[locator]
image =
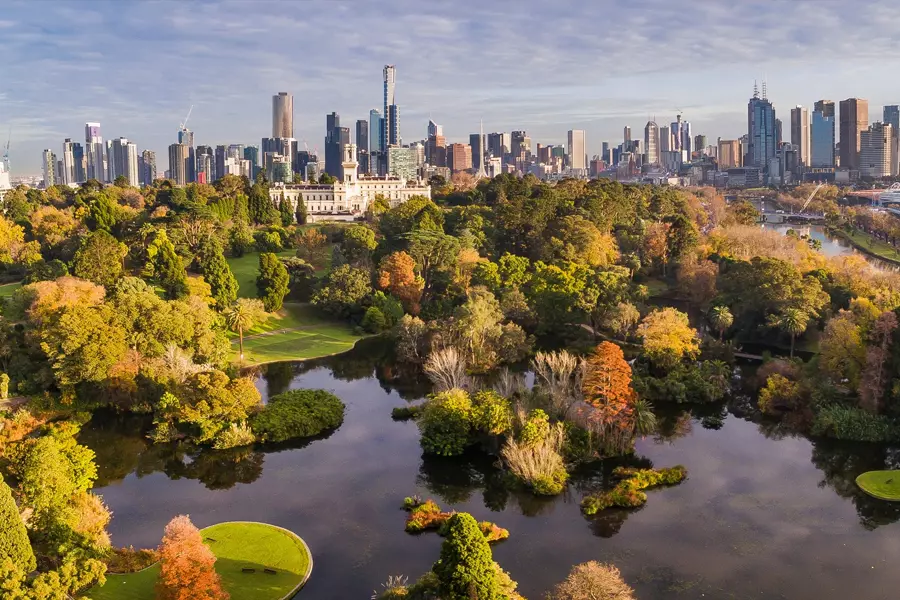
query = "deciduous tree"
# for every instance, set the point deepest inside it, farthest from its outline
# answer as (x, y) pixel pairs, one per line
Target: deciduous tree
(668, 337)
(593, 581)
(344, 292)
(100, 258)
(396, 275)
(187, 566)
(607, 381)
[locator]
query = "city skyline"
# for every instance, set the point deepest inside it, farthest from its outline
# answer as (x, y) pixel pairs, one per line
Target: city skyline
(545, 94)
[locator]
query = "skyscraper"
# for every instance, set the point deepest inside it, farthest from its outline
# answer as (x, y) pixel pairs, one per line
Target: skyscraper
(875, 156)
(760, 131)
(675, 132)
(800, 134)
(687, 139)
(651, 142)
(731, 154)
(78, 155)
(626, 134)
(68, 160)
(282, 115)
(336, 137)
(221, 154)
(854, 119)
(186, 138)
(822, 137)
(826, 107)
(391, 111)
(179, 160)
(123, 161)
(459, 157)
(147, 167)
(96, 158)
(478, 143)
(498, 144)
(206, 164)
(892, 118)
(434, 129)
(665, 142)
(576, 151)
(700, 144)
(48, 166)
(377, 158)
(362, 145)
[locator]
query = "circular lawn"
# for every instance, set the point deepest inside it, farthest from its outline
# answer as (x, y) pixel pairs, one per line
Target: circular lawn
(255, 561)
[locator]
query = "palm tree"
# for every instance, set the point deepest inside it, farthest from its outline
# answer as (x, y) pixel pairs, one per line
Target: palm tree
(721, 319)
(243, 315)
(644, 418)
(792, 321)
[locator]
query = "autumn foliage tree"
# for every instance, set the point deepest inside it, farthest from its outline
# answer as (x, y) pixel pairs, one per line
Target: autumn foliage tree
(187, 566)
(397, 276)
(607, 381)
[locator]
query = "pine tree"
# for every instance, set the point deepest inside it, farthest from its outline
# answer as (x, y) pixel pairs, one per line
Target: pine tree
(187, 566)
(301, 211)
(217, 273)
(465, 569)
(287, 215)
(259, 203)
(272, 282)
(14, 543)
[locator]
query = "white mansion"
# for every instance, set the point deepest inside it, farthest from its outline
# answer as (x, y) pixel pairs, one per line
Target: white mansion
(348, 199)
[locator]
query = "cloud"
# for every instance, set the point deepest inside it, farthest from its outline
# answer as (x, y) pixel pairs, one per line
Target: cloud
(544, 67)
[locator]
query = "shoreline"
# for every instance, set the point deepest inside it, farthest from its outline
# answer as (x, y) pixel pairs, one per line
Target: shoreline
(840, 233)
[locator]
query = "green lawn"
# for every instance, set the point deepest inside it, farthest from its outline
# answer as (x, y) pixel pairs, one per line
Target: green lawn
(881, 484)
(245, 270)
(236, 546)
(7, 289)
(867, 243)
(296, 332)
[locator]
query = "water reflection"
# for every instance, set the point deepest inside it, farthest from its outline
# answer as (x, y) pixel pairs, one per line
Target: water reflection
(762, 514)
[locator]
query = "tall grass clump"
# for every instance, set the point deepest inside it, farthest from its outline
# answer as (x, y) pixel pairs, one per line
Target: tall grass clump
(539, 464)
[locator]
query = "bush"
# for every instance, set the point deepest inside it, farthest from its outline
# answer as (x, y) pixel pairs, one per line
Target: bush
(491, 413)
(235, 436)
(779, 394)
(424, 516)
(297, 414)
(129, 560)
(539, 465)
(706, 381)
(465, 568)
(374, 320)
(627, 493)
(850, 423)
(536, 428)
(14, 544)
(446, 423)
(593, 581)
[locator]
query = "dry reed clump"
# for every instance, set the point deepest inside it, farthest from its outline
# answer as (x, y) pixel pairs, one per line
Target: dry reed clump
(539, 465)
(559, 376)
(446, 369)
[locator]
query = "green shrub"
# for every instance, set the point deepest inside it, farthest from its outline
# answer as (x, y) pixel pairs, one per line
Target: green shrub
(627, 493)
(465, 568)
(298, 414)
(14, 544)
(491, 413)
(446, 423)
(536, 428)
(850, 423)
(374, 320)
(706, 381)
(235, 436)
(544, 485)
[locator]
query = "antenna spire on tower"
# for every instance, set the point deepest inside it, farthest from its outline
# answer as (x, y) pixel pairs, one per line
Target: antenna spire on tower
(755, 89)
(764, 90)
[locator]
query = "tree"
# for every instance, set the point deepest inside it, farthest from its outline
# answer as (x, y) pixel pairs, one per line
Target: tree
(100, 258)
(47, 480)
(243, 315)
(579, 240)
(465, 569)
(875, 377)
(273, 281)
(187, 567)
(842, 353)
(311, 246)
(655, 250)
(697, 280)
(240, 239)
(14, 544)
(359, 242)
(83, 343)
(287, 214)
(301, 211)
(434, 253)
(721, 319)
(622, 319)
(217, 273)
(259, 203)
(396, 274)
(792, 321)
(478, 329)
(668, 337)
(593, 581)
(607, 381)
(741, 213)
(344, 292)
(13, 247)
(416, 214)
(681, 238)
(164, 265)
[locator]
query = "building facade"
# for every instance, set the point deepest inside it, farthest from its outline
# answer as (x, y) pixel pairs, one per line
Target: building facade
(48, 168)
(282, 115)
(760, 132)
(459, 157)
(350, 197)
(800, 134)
(147, 167)
(577, 153)
(391, 116)
(179, 160)
(478, 141)
(854, 119)
(822, 138)
(94, 152)
(875, 153)
(731, 154)
(651, 142)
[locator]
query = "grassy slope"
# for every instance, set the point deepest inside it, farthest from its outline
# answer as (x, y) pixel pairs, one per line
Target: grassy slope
(869, 244)
(881, 484)
(7, 289)
(296, 332)
(236, 546)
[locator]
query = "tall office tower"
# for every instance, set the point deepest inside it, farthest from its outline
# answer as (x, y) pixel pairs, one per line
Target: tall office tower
(391, 135)
(800, 134)
(700, 143)
(626, 134)
(576, 151)
(132, 175)
(377, 159)
(68, 160)
(651, 142)
(499, 144)
(186, 138)
(687, 140)
(478, 143)
(779, 133)
(665, 142)
(675, 132)
(854, 119)
(206, 164)
(123, 161)
(822, 138)
(875, 156)
(78, 156)
(604, 152)
(826, 107)
(251, 153)
(459, 157)
(282, 115)
(179, 159)
(731, 154)
(362, 145)
(520, 144)
(436, 151)
(93, 148)
(221, 155)
(434, 129)
(335, 139)
(48, 166)
(110, 164)
(760, 130)
(147, 167)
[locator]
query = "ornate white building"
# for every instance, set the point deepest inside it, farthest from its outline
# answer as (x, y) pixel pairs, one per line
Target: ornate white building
(348, 199)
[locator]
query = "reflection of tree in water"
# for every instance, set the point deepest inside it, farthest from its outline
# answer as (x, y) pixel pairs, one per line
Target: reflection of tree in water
(842, 462)
(597, 476)
(118, 443)
(278, 377)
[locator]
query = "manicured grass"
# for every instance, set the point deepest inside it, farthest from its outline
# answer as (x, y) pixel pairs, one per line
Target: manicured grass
(867, 243)
(7, 289)
(245, 270)
(296, 332)
(881, 484)
(236, 546)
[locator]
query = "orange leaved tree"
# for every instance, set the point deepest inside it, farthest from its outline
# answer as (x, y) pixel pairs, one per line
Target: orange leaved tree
(607, 387)
(187, 566)
(397, 276)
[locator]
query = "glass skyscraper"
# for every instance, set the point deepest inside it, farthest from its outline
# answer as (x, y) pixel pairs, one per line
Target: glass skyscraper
(822, 140)
(760, 131)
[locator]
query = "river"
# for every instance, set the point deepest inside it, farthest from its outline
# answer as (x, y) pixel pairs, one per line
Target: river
(762, 515)
(831, 246)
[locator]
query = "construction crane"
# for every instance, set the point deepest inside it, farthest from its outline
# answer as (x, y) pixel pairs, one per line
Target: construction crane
(183, 125)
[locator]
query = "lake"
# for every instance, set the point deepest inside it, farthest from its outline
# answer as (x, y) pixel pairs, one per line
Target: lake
(762, 515)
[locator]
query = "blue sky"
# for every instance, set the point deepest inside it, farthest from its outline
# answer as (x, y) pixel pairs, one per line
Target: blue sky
(546, 67)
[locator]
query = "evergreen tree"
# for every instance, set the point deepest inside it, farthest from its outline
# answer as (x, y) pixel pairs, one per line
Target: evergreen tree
(259, 203)
(465, 569)
(217, 273)
(14, 543)
(287, 215)
(272, 282)
(100, 258)
(301, 211)
(164, 265)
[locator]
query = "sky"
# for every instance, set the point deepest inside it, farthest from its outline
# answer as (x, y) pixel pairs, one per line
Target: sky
(539, 66)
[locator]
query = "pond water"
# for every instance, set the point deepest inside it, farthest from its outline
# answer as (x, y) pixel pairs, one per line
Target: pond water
(762, 515)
